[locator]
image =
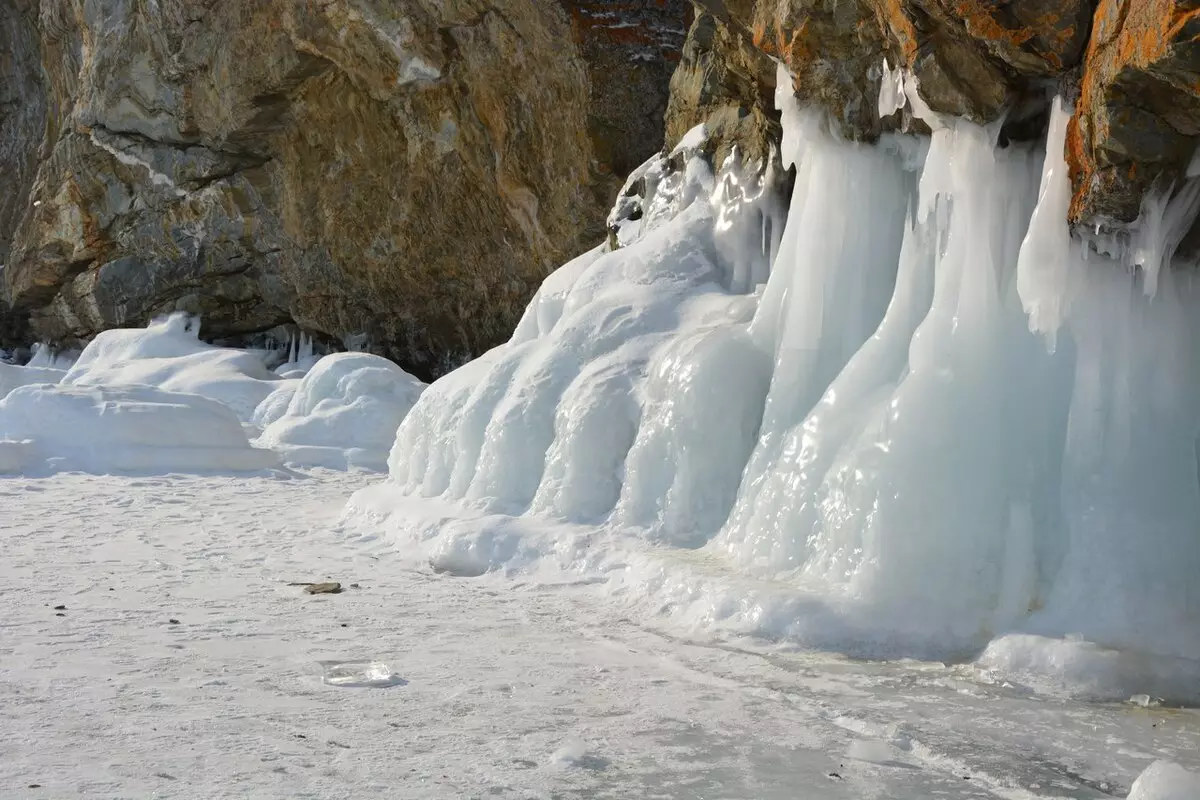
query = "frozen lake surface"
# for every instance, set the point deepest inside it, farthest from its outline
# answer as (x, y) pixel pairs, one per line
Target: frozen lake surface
(184, 665)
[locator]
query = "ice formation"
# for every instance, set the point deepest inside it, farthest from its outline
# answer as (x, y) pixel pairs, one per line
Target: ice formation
(930, 414)
(168, 354)
(301, 356)
(343, 413)
(1164, 780)
(13, 376)
(44, 366)
(339, 411)
(121, 429)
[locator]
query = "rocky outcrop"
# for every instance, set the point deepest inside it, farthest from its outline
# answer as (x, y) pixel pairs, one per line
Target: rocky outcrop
(1138, 115)
(22, 114)
(727, 83)
(398, 176)
(973, 58)
(1131, 66)
(401, 176)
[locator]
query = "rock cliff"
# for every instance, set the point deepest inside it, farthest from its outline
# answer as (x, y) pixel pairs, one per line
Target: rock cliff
(398, 176)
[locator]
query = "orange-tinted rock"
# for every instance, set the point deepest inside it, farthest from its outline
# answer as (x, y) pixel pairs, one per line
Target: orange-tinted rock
(979, 59)
(727, 83)
(1138, 113)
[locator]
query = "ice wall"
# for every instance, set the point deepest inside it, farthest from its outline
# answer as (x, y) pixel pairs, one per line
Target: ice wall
(923, 404)
(585, 414)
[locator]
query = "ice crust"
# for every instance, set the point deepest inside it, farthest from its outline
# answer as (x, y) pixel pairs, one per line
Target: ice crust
(924, 419)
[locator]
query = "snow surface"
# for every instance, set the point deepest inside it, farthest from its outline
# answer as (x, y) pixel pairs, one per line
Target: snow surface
(344, 413)
(848, 435)
(185, 666)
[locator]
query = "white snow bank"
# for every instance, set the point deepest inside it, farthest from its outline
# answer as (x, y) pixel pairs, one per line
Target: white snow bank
(16, 456)
(1165, 780)
(275, 405)
(1089, 670)
(121, 429)
(168, 354)
(344, 412)
(873, 450)
(13, 376)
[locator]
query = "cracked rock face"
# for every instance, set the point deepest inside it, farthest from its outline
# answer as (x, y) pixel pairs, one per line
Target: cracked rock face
(396, 175)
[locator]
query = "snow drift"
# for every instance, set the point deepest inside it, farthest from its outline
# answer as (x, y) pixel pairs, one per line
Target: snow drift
(13, 376)
(169, 355)
(927, 433)
(121, 429)
(343, 413)
(44, 366)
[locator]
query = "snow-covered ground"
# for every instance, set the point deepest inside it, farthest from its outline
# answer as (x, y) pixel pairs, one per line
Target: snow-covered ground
(513, 687)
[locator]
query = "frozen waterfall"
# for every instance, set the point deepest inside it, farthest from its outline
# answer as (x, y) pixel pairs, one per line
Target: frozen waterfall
(921, 406)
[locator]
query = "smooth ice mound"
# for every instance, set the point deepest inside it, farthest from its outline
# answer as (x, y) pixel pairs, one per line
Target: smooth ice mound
(1164, 780)
(919, 418)
(121, 429)
(169, 355)
(343, 414)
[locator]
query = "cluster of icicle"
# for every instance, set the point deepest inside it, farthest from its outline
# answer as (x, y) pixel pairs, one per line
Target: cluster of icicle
(926, 402)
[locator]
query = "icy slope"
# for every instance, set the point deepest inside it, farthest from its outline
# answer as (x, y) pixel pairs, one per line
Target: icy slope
(924, 432)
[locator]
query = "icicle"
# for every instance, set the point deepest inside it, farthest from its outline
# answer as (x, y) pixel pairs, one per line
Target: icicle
(1165, 219)
(750, 221)
(1049, 267)
(891, 90)
(881, 431)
